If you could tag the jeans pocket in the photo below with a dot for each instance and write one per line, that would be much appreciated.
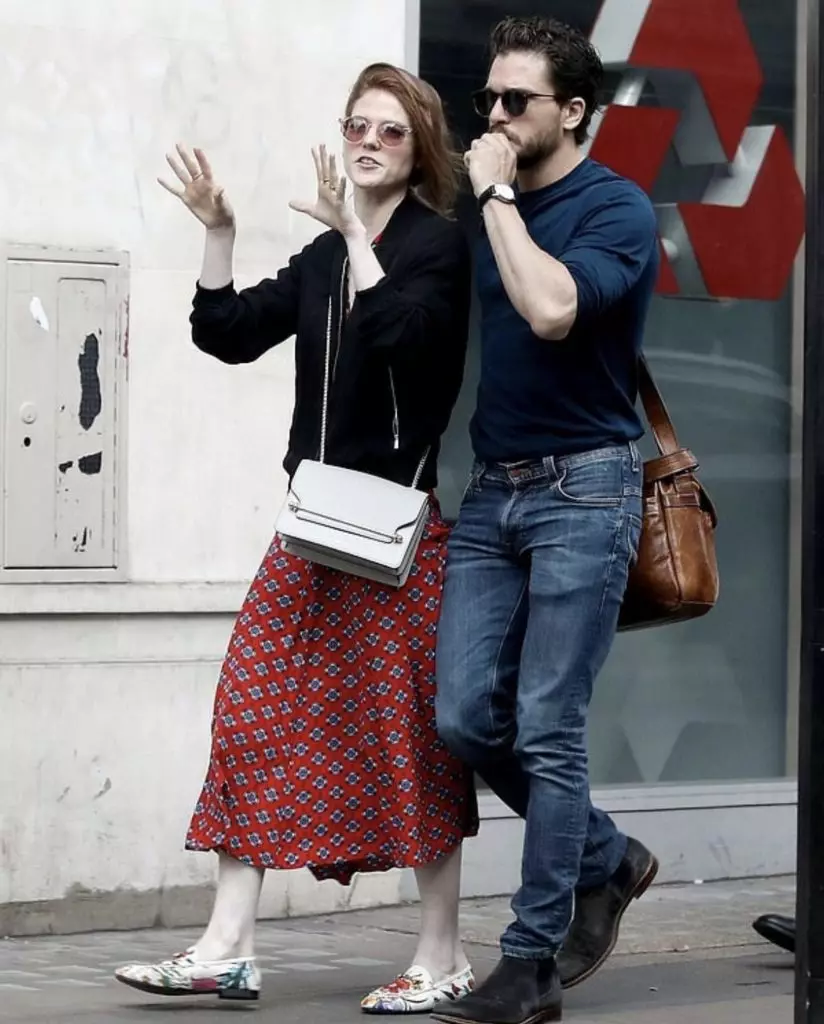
(473, 484)
(596, 483)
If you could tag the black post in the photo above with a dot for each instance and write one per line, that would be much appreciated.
(809, 999)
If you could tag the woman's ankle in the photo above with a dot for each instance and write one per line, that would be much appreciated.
(441, 962)
(215, 945)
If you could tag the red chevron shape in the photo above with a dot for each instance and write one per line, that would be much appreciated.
(667, 281)
(710, 39)
(633, 141)
(747, 252)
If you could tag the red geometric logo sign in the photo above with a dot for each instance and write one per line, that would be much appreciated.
(738, 232)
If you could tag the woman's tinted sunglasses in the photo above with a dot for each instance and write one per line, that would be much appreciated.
(390, 133)
(514, 101)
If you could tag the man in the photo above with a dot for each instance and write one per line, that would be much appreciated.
(550, 523)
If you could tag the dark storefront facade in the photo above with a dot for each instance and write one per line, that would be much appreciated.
(694, 728)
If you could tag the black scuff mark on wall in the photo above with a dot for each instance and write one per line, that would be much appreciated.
(81, 540)
(107, 785)
(90, 464)
(64, 467)
(91, 400)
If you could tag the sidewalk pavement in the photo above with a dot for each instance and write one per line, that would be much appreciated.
(687, 955)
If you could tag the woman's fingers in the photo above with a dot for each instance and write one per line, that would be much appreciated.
(189, 162)
(318, 166)
(203, 163)
(180, 171)
(323, 164)
(208, 203)
(178, 192)
(326, 168)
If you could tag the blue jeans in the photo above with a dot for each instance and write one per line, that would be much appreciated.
(536, 573)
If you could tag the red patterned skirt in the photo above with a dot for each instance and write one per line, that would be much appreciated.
(324, 749)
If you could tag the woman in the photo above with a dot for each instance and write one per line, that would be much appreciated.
(324, 749)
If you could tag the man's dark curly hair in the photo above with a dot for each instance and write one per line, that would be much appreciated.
(573, 63)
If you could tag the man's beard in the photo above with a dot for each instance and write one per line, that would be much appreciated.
(536, 152)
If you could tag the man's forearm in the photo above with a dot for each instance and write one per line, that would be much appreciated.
(539, 287)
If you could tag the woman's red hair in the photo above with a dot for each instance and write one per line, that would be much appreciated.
(438, 165)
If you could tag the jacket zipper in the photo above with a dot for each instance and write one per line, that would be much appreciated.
(341, 307)
(396, 430)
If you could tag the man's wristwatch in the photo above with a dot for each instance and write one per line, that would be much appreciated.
(503, 193)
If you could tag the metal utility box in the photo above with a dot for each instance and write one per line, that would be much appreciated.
(62, 410)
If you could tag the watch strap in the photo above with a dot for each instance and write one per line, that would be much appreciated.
(491, 193)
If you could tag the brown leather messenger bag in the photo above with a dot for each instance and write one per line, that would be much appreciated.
(676, 574)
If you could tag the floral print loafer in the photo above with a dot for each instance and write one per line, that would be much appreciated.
(416, 991)
(185, 976)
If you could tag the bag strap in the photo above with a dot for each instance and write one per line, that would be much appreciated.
(673, 459)
(325, 403)
(420, 469)
(656, 411)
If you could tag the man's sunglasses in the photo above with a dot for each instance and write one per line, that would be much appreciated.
(514, 101)
(389, 133)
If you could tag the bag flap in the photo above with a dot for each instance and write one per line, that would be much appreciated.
(353, 498)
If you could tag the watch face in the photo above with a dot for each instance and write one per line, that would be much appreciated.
(506, 192)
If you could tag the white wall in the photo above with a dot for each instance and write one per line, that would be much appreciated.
(104, 727)
(94, 93)
(104, 741)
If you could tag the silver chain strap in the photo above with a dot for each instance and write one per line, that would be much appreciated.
(326, 382)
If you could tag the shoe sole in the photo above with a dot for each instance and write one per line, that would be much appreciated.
(241, 995)
(545, 1017)
(641, 887)
(432, 1009)
(398, 1013)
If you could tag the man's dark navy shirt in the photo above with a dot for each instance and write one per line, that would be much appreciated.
(539, 397)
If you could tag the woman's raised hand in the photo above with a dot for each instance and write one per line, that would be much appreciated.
(199, 192)
(330, 207)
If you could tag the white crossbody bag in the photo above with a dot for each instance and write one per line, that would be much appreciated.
(353, 521)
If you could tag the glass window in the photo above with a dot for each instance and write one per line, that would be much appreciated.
(706, 700)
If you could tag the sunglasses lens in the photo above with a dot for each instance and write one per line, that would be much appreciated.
(484, 100)
(391, 134)
(514, 102)
(353, 129)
